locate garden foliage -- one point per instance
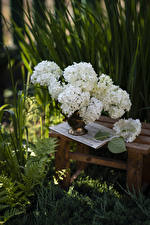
(113, 37)
(23, 165)
(88, 202)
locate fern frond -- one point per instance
(3, 206)
(11, 213)
(45, 146)
(34, 170)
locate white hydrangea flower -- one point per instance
(43, 71)
(104, 82)
(82, 91)
(55, 87)
(73, 99)
(92, 112)
(125, 101)
(128, 129)
(81, 75)
(115, 112)
(116, 101)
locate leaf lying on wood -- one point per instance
(102, 135)
(117, 145)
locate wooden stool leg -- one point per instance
(80, 165)
(134, 170)
(62, 160)
(82, 149)
(146, 169)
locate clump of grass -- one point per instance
(86, 202)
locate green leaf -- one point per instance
(2, 110)
(26, 62)
(102, 135)
(117, 145)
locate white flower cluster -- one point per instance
(81, 79)
(92, 112)
(116, 101)
(55, 87)
(73, 99)
(128, 129)
(44, 71)
(81, 75)
(82, 90)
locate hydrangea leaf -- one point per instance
(102, 135)
(117, 145)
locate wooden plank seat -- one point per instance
(137, 165)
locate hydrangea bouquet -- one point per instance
(82, 94)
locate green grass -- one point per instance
(88, 202)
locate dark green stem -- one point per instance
(1, 26)
(17, 13)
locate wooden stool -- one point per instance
(137, 164)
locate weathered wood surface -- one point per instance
(134, 170)
(62, 158)
(145, 131)
(138, 161)
(98, 160)
(87, 139)
(142, 148)
(108, 122)
(141, 143)
(80, 165)
(82, 149)
(146, 168)
(112, 121)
